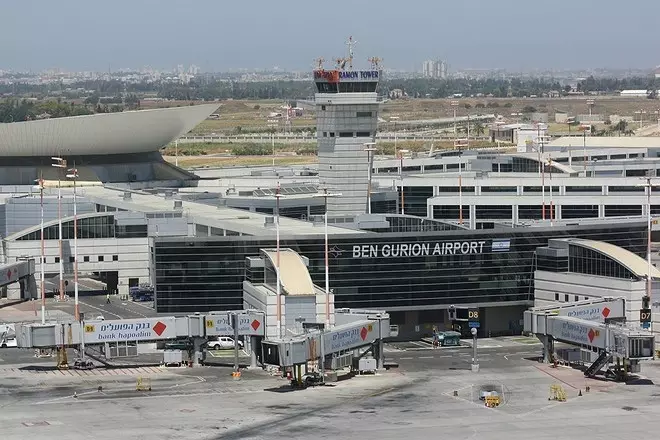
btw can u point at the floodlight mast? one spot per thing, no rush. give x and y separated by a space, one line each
58 162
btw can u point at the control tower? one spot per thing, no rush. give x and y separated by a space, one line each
346 122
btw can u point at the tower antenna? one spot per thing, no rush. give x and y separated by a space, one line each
375 62
350 43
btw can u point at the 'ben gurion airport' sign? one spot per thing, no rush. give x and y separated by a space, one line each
429 249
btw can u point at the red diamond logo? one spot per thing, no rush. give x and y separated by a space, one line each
606 312
364 333
255 325
591 335
159 328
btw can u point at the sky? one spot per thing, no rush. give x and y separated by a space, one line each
221 35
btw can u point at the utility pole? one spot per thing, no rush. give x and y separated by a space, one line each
277 263
43 252
369 147
73 175
60 163
325 195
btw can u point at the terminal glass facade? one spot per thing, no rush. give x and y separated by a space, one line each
392 271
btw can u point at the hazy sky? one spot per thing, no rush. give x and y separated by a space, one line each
225 34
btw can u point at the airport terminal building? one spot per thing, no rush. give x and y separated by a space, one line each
192 236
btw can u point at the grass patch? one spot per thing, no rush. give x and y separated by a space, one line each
190 162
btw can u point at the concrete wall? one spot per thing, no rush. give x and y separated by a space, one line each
127 256
580 287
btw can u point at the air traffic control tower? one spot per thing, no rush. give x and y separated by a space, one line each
346 122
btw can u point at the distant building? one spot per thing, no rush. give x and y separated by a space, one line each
434 69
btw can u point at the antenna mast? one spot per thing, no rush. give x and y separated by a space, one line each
350 43
375 62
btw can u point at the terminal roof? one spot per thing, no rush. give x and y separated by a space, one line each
636 264
221 217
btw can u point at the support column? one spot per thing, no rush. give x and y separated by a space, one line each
198 352
380 359
253 351
548 348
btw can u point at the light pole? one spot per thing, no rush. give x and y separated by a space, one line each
278 291
325 195
454 104
475 362
40 181
369 147
60 163
401 153
272 124
394 119
73 175
176 153
458 144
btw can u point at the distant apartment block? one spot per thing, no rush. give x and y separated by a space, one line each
434 69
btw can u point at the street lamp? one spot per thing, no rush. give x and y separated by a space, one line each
454 104
325 195
58 162
401 153
277 262
272 124
459 143
369 147
394 119
40 182
72 173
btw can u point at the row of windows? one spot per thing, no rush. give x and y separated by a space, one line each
89 228
345 134
86 259
590 262
537 189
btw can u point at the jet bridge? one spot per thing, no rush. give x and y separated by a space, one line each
337 347
597 326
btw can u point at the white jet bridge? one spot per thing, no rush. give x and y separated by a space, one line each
597 326
357 333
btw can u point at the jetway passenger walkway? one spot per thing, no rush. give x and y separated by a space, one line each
21 272
596 326
336 348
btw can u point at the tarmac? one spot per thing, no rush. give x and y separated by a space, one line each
432 394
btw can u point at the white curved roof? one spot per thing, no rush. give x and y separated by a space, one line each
634 263
140 131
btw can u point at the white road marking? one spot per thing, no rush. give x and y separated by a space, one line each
425 357
102 310
406 358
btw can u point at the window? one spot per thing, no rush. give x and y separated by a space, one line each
72 259
566 298
577 298
100 257
332 134
584 189
364 114
115 258
345 134
57 259
323 107
86 258
498 189
363 134
556 297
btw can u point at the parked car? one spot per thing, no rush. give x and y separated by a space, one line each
8 342
223 343
178 345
